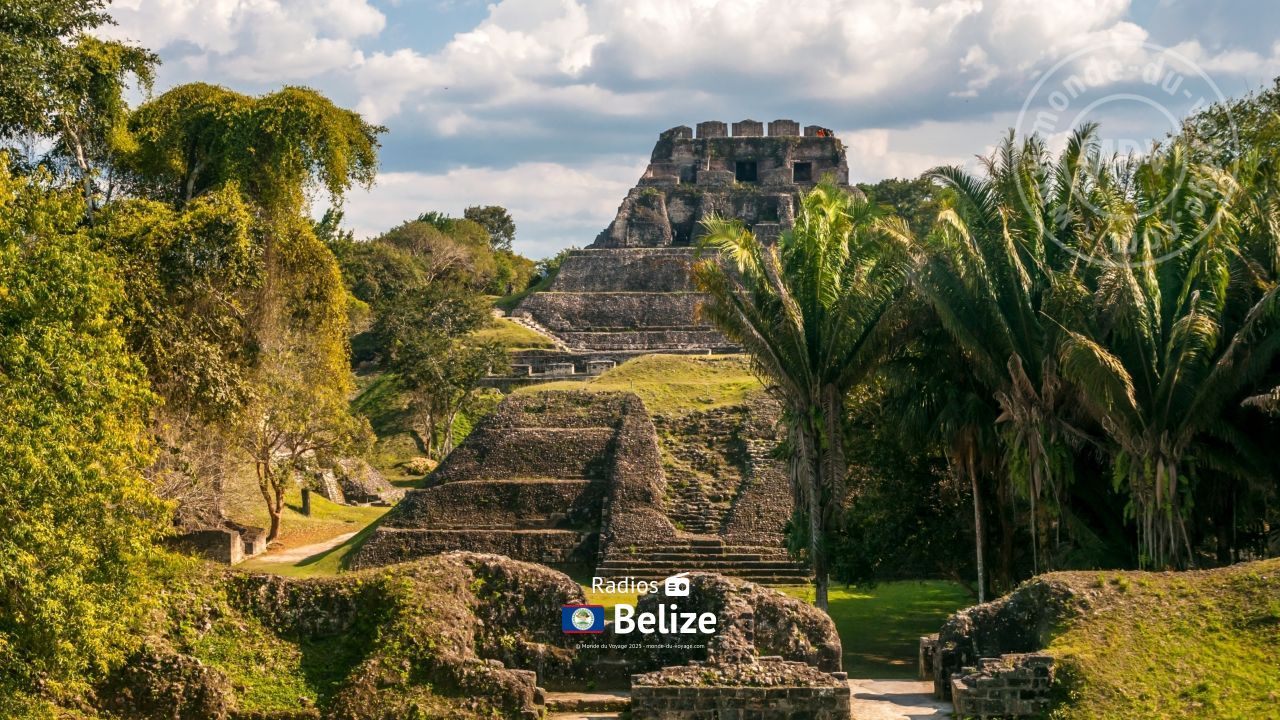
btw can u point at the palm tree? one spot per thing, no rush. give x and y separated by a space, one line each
1173 344
934 403
814 312
993 265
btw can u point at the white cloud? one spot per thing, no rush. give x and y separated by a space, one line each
916 83
251 40
553 205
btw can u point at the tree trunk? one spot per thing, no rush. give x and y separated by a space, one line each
977 524
276 511
446 443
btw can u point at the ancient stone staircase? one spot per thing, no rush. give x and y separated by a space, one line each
757 563
526 321
690 510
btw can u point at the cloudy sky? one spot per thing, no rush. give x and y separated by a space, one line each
550 107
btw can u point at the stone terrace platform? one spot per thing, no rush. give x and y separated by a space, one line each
625 300
576 480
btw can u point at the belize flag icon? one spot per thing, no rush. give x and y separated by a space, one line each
582 618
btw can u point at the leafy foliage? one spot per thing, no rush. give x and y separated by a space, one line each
197 138
815 314
496 221
79 518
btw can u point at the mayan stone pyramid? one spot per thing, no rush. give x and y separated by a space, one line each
630 291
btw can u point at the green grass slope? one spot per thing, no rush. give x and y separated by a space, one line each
674 384
1188 645
512 336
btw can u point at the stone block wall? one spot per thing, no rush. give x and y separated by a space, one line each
539 480
712 129
768 689
217 544
657 270
578 312
1005 687
546 452
522 504
781 128
1020 622
649 340
740 703
556 548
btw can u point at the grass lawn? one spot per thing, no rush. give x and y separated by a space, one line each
513 336
1174 645
674 384
880 627
328 563
245 505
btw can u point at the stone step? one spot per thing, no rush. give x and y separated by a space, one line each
760 579
588 702
713 550
682 556
666 569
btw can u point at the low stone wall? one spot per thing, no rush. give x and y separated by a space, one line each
1020 622
650 340
771 689
1004 687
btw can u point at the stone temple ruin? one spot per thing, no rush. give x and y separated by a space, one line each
630 291
580 480
575 480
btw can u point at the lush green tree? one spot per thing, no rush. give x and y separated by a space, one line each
79 519
905 516
296 411
815 314
191 277
427 340
268 313
917 201
456 251
993 266
35 37
197 138
330 231
939 411
496 221
512 273
89 109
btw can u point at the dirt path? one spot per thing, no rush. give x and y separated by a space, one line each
895 700
296 555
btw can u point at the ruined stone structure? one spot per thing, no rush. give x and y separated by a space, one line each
229 543
989 659
576 480
769 689
630 290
